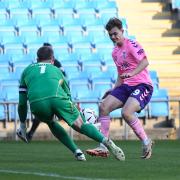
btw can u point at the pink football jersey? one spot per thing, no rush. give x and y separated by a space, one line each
127 57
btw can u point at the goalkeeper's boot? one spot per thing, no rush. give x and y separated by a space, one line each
116 151
79 155
29 136
147 150
100 151
21 133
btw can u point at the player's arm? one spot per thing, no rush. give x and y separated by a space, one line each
117 84
141 66
22 106
118 81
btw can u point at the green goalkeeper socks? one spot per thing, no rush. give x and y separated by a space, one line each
60 133
91 131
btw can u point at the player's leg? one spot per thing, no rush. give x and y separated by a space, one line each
45 113
35 124
72 116
21 132
60 133
136 102
109 104
91 131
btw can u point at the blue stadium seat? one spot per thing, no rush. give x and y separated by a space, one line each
155 79
70 24
88 95
78 78
102 88
101 40
4 73
75 88
12 43
17 8
24 58
4 61
105 6
100 78
107 59
83 51
34 42
78 41
91 23
8 83
22 61
27 27
18 71
40 8
60 51
3 13
72 72
83 8
11 93
57 41
91 59
49 26
113 71
7 27
159 108
67 60
62 7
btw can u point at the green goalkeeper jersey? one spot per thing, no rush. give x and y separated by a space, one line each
40 81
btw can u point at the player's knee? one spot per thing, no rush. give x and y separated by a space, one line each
126 114
78 123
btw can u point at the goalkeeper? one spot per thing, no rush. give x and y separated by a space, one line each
46 89
36 122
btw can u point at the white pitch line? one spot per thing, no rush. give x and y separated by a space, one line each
53 175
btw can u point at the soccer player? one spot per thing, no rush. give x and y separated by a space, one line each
46 89
36 122
132 91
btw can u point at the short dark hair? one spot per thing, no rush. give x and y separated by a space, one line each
113 22
45 53
47 44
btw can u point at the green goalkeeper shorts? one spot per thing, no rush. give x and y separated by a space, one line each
63 108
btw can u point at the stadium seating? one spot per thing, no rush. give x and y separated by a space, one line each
159 106
76 30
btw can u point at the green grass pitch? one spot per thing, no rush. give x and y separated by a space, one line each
48 160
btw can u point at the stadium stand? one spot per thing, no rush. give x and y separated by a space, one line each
76 30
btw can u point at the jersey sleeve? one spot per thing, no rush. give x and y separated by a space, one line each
136 50
22 106
65 85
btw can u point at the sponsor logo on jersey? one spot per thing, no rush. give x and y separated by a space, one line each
141 51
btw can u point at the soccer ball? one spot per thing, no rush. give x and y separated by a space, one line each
89 115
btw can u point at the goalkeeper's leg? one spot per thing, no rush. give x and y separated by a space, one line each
91 131
60 133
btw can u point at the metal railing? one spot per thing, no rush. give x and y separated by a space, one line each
10 108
